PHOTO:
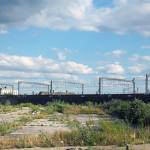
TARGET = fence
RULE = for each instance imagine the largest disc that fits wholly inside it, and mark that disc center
(103, 85)
(116, 86)
(33, 88)
(66, 87)
(58, 87)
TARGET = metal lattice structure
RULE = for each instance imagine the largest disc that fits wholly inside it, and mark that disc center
(62, 87)
(91, 87)
(140, 85)
(33, 88)
(103, 85)
(6, 89)
(116, 86)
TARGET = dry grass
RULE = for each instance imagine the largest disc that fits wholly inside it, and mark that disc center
(79, 109)
(107, 133)
(102, 133)
(8, 127)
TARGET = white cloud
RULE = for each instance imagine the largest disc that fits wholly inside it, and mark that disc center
(113, 68)
(116, 53)
(146, 58)
(137, 69)
(140, 64)
(128, 16)
(62, 53)
(73, 67)
(124, 16)
(3, 29)
(14, 66)
(65, 15)
(146, 47)
(137, 58)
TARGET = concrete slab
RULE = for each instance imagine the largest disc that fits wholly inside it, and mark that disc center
(41, 126)
(83, 118)
(54, 123)
(9, 117)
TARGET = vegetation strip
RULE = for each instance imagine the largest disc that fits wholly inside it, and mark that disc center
(132, 128)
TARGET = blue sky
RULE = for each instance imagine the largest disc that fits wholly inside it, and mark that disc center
(74, 39)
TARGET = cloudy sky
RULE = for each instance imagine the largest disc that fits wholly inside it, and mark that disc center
(74, 39)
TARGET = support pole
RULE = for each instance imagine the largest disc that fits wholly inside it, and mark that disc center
(12, 89)
(0, 91)
(100, 86)
(51, 87)
(146, 84)
(48, 89)
(82, 89)
(133, 82)
(18, 87)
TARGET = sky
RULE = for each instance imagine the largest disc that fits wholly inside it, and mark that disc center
(75, 40)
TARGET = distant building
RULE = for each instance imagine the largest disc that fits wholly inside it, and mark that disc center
(8, 91)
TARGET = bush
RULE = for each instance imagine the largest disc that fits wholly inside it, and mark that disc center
(120, 109)
(136, 113)
(57, 106)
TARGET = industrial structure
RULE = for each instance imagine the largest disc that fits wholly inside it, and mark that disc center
(103, 85)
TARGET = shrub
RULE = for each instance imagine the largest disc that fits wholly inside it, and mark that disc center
(120, 109)
(135, 113)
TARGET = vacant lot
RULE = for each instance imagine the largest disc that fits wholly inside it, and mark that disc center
(61, 125)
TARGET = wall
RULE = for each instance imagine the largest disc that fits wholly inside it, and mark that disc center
(78, 99)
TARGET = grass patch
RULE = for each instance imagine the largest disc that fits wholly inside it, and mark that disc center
(8, 127)
(57, 106)
(7, 108)
(132, 129)
(105, 133)
(88, 108)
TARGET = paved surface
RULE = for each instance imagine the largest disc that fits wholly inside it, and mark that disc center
(41, 125)
(55, 123)
(9, 117)
(134, 147)
(83, 118)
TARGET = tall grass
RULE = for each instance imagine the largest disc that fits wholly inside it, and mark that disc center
(91, 134)
(88, 108)
(56, 106)
(105, 133)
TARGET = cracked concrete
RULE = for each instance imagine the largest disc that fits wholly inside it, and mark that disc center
(11, 116)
